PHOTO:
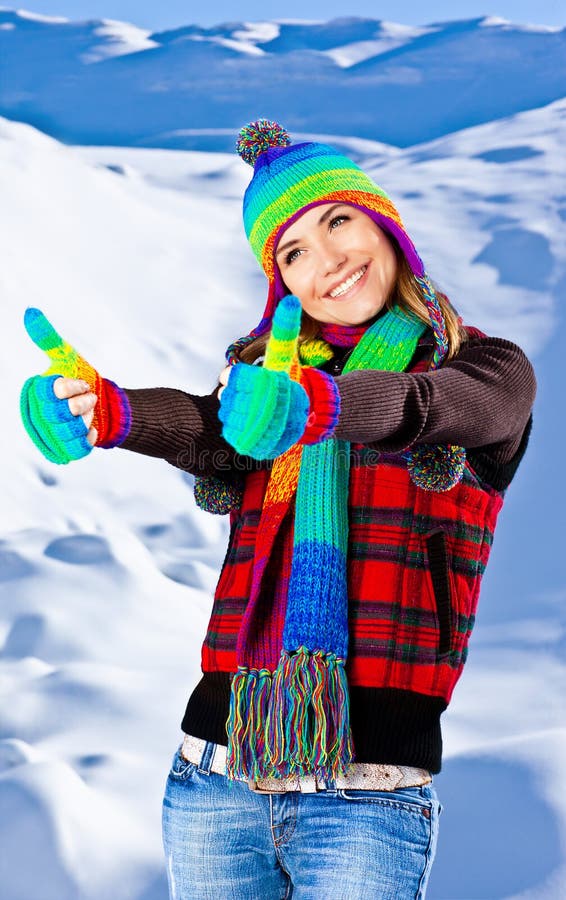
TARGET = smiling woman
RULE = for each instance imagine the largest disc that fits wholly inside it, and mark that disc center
(364, 458)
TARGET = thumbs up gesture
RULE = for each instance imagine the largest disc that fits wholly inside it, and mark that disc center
(55, 423)
(264, 410)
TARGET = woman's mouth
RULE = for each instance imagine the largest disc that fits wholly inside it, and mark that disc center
(349, 285)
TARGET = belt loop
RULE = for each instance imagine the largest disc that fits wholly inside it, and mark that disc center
(207, 758)
(330, 783)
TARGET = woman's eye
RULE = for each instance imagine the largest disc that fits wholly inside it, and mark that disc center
(294, 254)
(291, 256)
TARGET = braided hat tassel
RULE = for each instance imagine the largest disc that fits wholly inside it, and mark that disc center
(435, 467)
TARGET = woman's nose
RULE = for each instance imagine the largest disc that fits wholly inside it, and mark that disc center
(332, 259)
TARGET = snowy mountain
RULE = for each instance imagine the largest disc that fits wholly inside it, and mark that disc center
(138, 257)
(107, 82)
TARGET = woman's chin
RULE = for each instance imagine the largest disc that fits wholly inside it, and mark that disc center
(353, 317)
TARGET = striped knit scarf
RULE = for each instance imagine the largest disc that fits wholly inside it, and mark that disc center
(289, 712)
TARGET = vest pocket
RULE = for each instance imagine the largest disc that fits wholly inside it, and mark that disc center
(438, 564)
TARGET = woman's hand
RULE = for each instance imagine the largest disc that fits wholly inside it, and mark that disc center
(81, 402)
(264, 411)
(223, 379)
(53, 418)
(70, 407)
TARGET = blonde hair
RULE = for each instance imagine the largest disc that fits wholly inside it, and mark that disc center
(406, 293)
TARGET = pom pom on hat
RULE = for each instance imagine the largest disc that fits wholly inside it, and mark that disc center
(259, 136)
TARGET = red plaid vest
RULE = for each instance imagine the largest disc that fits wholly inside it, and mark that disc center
(415, 563)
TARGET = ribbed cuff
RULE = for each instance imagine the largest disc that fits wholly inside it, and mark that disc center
(324, 398)
(113, 415)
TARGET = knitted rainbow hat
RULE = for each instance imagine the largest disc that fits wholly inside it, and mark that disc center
(288, 180)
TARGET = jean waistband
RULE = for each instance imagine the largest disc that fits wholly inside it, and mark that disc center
(211, 757)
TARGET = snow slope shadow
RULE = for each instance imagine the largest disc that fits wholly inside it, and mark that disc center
(497, 834)
(13, 565)
(157, 890)
(80, 549)
(522, 258)
(509, 154)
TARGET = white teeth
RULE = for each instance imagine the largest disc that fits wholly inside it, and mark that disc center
(346, 285)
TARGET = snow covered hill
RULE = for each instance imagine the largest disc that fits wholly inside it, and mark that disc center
(103, 82)
(107, 566)
(138, 257)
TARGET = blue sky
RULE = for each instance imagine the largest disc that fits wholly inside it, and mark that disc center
(178, 12)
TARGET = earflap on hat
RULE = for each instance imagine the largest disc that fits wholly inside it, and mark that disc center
(234, 349)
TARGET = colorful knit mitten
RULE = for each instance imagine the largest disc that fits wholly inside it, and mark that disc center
(266, 409)
(48, 420)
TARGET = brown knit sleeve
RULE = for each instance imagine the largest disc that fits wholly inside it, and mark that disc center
(183, 429)
(481, 398)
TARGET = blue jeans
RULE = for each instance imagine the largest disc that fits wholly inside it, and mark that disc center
(225, 842)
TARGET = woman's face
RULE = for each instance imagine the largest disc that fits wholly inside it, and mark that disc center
(338, 262)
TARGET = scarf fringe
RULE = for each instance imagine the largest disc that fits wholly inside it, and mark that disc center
(294, 721)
